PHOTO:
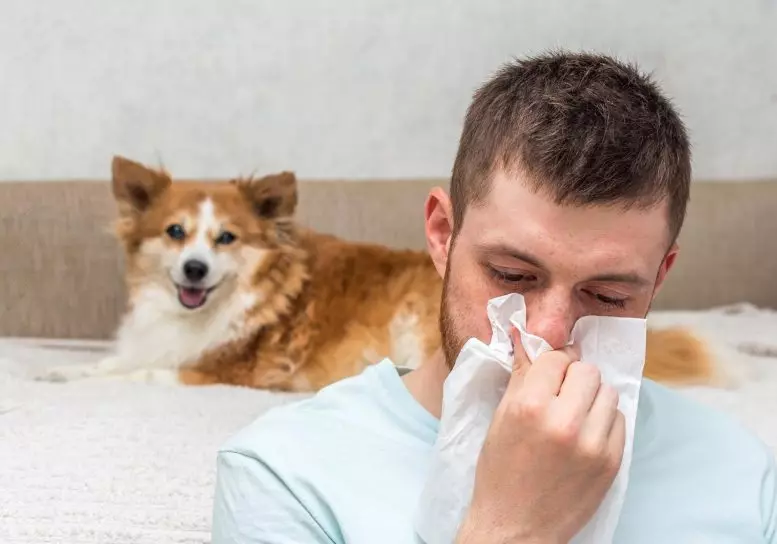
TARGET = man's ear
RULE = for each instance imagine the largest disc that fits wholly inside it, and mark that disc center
(438, 222)
(136, 186)
(666, 265)
(273, 196)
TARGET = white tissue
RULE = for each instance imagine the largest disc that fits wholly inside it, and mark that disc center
(475, 387)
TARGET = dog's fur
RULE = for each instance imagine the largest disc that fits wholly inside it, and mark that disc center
(280, 307)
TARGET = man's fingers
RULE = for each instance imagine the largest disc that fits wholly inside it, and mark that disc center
(617, 440)
(598, 426)
(578, 393)
(521, 361)
(542, 378)
(573, 351)
(547, 373)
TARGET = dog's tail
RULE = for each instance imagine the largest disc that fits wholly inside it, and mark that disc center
(677, 357)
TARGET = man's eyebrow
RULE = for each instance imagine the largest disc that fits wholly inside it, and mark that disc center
(628, 277)
(515, 253)
(509, 251)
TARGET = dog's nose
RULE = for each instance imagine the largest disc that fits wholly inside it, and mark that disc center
(195, 270)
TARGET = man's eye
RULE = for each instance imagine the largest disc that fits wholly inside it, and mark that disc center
(610, 301)
(176, 232)
(225, 238)
(510, 277)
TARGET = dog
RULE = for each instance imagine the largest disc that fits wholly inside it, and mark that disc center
(224, 287)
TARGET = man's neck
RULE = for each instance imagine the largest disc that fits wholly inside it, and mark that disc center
(426, 382)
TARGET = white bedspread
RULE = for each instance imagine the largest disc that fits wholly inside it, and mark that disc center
(113, 462)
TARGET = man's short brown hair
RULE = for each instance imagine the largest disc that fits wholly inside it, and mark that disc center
(585, 129)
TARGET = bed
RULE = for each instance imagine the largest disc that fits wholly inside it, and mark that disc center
(116, 462)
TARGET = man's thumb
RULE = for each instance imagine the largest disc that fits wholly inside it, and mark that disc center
(521, 361)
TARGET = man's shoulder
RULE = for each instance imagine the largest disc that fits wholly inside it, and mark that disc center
(332, 410)
(678, 418)
(279, 474)
(307, 466)
(371, 407)
(693, 461)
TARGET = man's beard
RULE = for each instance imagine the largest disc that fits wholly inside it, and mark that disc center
(452, 341)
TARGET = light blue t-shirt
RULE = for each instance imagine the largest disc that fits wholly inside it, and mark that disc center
(348, 465)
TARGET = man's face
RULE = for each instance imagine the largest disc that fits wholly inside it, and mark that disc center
(567, 261)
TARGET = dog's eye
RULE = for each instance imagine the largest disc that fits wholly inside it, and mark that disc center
(225, 238)
(176, 232)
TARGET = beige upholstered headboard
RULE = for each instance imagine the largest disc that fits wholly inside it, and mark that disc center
(60, 269)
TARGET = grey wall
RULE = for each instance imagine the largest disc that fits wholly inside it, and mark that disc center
(351, 88)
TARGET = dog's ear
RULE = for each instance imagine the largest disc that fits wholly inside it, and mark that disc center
(273, 196)
(136, 186)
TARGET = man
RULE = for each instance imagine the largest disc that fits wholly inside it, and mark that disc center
(570, 187)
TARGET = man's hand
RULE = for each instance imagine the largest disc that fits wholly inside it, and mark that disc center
(553, 450)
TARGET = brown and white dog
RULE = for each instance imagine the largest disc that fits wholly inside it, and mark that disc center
(224, 287)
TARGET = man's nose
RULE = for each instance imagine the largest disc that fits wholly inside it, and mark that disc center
(551, 316)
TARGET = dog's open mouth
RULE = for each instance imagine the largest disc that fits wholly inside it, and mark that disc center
(193, 297)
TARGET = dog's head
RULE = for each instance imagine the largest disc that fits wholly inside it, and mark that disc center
(199, 242)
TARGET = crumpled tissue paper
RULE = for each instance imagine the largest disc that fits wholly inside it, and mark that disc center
(475, 387)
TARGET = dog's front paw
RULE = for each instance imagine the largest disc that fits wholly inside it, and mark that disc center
(153, 376)
(68, 373)
(65, 373)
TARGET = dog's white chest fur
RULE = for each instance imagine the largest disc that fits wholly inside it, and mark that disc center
(156, 334)
(157, 338)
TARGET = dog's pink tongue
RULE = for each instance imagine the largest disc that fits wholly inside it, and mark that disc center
(191, 297)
